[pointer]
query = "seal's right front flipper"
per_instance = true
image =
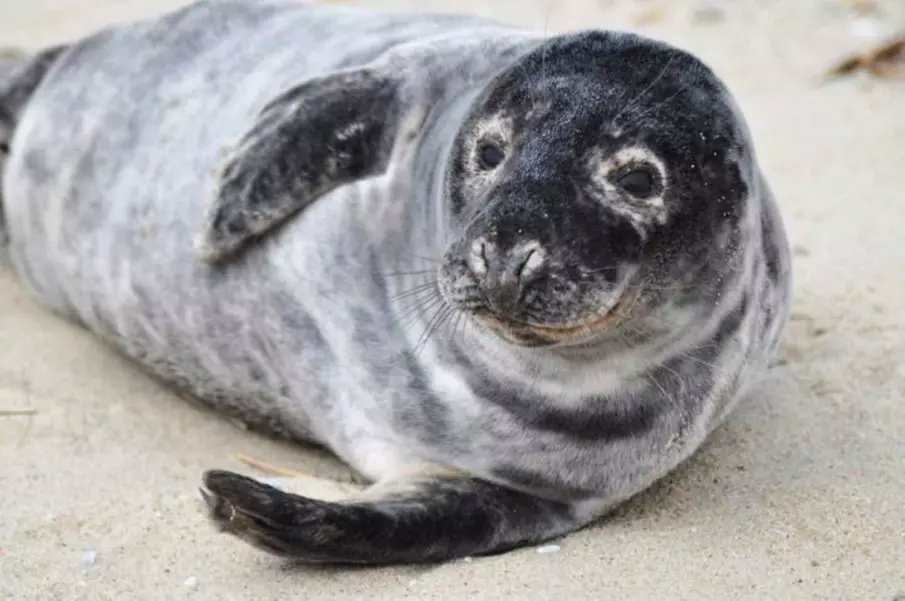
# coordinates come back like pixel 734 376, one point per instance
pixel 422 521
pixel 315 137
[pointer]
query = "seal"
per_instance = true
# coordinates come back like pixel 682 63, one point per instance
pixel 510 279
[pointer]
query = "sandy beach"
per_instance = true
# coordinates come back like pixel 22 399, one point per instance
pixel 800 495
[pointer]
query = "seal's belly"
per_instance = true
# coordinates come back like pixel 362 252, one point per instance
pixel 123 267
pixel 125 271
pixel 283 338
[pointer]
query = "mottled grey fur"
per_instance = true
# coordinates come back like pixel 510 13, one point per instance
pixel 274 207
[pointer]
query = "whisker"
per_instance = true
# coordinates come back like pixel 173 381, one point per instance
pixel 437 321
pixel 447 321
pixel 688 355
pixel 456 334
pixel 419 297
pixel 637 118
pixel 414 290
pixel 653 380
pixel 417 294
pixel 410 313
pixel 418 307
pixel 456 320
pixel 665 323
pixel 601 270
pixel 404 273
pixel 646 89
pixel 428 259
pixel 422 339
pixel 679 378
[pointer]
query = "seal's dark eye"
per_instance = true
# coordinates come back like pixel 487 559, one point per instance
pixel 490 155
pixel 637 182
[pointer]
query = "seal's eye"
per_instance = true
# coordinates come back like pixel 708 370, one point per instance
pixel 637 182
pixel 490 155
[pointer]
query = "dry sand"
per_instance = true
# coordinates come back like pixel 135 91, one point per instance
pixel 800 496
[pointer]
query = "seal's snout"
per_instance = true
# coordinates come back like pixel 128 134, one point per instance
pixel 504 274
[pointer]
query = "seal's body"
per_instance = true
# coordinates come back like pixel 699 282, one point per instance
pixel 512 280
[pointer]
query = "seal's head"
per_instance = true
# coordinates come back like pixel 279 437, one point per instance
pixel 599 168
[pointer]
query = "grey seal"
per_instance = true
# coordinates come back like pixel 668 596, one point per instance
pixel 511 279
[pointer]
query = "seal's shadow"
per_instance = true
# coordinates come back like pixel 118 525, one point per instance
pixel 734 466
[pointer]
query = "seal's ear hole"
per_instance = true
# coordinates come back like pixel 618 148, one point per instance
pixel 639 182
pixel 490 155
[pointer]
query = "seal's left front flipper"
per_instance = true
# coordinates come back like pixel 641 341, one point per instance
pixel 421 521
pixel 20 75
pixel 315 137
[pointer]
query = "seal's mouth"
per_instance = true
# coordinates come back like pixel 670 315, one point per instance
pixel 535 334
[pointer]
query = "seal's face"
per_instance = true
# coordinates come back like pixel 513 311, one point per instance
pixel 599 168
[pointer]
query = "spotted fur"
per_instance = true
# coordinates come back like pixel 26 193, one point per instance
pixel 507 348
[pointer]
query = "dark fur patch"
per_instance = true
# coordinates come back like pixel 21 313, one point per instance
pixel 773 250
pixel 430 416
pixel 698 363
pixel 598 420
pixel 20 77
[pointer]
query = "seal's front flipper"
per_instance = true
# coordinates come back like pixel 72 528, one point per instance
pixel 431 520
pixel 20 75
pixel 315 137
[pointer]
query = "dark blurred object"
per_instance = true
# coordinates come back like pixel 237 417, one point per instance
pixel 886 60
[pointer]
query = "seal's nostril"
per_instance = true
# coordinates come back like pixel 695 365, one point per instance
pixel 533 261
pixel 524 263
pixel 504 275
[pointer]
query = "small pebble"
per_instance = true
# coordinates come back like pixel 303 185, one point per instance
pixel 89 557
pixel 191 582
pixel 466 559
pixel 548 549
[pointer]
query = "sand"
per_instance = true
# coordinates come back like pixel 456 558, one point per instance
pixel 801 495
